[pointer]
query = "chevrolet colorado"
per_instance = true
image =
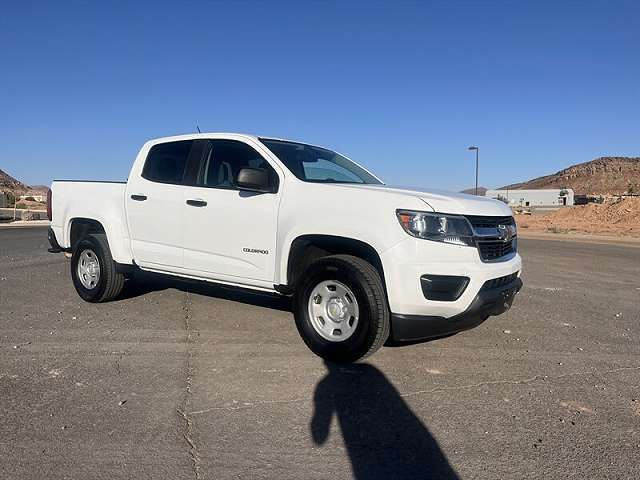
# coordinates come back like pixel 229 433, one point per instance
pixel 364 262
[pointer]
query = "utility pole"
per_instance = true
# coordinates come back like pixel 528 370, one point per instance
pixel 477 158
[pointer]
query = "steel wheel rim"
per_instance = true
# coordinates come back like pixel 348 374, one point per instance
pixel 88 269
pixel 333 310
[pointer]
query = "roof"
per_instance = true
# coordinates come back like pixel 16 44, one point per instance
pixel 195 136
pixel 229 135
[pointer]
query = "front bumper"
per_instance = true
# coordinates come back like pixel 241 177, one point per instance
pixel 406 262
pixel 488 302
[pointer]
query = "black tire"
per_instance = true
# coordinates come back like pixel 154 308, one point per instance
pixel 110 282
pixel 365 282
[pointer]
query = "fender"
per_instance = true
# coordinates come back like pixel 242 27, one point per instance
pixel 343 244
pixel 115 232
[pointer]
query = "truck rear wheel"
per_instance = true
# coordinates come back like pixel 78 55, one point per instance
pixel 341 309
pixel 93 270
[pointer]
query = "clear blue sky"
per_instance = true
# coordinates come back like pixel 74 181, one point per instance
pixel 402 87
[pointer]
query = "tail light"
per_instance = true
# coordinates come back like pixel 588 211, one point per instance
pixel 49 214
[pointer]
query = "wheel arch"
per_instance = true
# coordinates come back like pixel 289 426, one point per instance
pixel 80 227
pixel 307 248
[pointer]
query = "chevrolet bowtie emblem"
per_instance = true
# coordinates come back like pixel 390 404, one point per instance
pixel 505 232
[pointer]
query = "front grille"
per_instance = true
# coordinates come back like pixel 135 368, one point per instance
pixel 490 246
pixel 489 222
pixel 500 281
pixel 495 249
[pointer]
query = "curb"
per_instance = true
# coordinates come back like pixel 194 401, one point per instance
pixel 25 223
pixel 583 238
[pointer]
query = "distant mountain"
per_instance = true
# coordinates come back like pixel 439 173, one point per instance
pixel 604 175
pixel 471 191
pixel 10 184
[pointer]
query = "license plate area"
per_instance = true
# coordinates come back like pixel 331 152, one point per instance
pixel 506 299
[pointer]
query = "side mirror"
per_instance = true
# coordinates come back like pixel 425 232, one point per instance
pixel 254 180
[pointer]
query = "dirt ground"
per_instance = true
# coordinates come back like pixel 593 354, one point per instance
pixel 616 219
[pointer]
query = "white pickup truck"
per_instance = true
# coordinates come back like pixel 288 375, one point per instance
pixel 364 262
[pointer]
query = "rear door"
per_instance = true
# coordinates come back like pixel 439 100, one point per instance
pixel 230 234
pixel 155 204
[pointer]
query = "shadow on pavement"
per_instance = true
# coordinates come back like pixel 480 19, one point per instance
pixel 383 437
pixel 145 282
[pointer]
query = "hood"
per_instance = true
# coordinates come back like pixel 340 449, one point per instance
pixel 445 202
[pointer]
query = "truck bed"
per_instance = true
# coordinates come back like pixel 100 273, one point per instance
pixel 101 201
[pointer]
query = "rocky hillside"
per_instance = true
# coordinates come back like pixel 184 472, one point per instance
pixel 604 175
pixel 10 184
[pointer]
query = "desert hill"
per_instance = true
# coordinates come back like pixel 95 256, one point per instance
pixel 604 175
pixel 10 184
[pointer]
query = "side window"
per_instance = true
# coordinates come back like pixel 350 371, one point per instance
pixel 223 160
pixel 167 162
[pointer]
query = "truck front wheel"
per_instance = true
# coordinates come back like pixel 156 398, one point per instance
pixel 93 270
pixel 341 309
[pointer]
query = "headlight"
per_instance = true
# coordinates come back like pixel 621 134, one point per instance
pixel 436 226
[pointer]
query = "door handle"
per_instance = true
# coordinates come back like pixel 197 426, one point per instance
pixel 197 203
pixel 139 198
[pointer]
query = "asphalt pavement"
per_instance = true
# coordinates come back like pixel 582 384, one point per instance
pixel 187 380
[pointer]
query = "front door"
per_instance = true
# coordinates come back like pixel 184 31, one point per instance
pixel 230 234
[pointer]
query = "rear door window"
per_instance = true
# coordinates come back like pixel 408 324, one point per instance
pixel 167 162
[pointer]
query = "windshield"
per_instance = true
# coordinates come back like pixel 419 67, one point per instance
pixel 318 165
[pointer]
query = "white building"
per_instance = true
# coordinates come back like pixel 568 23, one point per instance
pixel 534 198
pixel 38 197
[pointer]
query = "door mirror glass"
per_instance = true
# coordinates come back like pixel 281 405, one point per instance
pixel 254 180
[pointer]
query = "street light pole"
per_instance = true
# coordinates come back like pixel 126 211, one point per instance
pixel 477 155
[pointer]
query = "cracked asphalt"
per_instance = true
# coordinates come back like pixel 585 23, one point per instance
pixel 184 380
